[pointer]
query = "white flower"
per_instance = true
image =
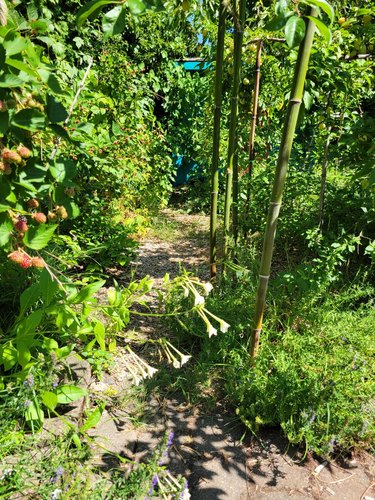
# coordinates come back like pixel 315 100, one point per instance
pixel 176 364
pixel 211 330
pixel 224 326
pixel 186 292
pixel 185 495
pixel 207 287
pixel 6 473
pixel 56 494
pixel 151 371
pixel 198 299
pixel 184 359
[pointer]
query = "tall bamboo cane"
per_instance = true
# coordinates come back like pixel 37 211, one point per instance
pixel 216 138
pixel 280 175
pixel 252 131
pixel 238 37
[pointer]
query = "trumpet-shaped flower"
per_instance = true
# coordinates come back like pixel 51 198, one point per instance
pixel 198 299
pixel 184 359
pixel 207 287
pixel 224 326
pixel 211 330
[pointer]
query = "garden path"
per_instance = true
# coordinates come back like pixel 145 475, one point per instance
pixel 210 447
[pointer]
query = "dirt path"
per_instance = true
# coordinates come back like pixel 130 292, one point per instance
pixel 212 449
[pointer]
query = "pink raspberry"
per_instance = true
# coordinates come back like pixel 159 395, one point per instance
pixel 23 152
pixel 40 218
pixel 38 262
pixel 33 203
pixel 26 262
pixel 16 257
pixel 5 168
pixel 11 156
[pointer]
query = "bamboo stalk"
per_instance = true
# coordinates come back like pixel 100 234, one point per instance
pixel 254 118
pixel 235 193
pixel 280 176
pixel 216 140
pixel 324 179
pixel 238 37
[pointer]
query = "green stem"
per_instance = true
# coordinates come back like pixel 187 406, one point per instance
pixel 216 139
pixel 238 37
pixel 290 123
pixel 252 132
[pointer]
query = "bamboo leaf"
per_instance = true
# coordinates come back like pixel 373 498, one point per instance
pixel 323 5
pixel 114 21
pixel 91 8
pixel 294 31
pixel 136 7
pixel 323 30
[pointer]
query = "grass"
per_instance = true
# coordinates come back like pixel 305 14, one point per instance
pixel 314 372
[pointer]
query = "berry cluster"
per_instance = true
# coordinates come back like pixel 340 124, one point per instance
pixel 24 260
pixel 13 157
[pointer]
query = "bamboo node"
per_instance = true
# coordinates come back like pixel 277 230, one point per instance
pixel 264 276
pixel 275 204
pixel 295 101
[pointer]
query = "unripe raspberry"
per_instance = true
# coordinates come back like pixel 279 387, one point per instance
pixel 21 224
pixel 61 212
pixel 52 216
pixel 38 262
pixel 23 152
pixel 5 168
pixel 39 217
pixel 3 106
pixel 11 156
pixel 33 203
pixel 16 257
pixel 26 262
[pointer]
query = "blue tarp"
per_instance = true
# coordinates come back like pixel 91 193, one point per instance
pixel 194 65
pixel 186 169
